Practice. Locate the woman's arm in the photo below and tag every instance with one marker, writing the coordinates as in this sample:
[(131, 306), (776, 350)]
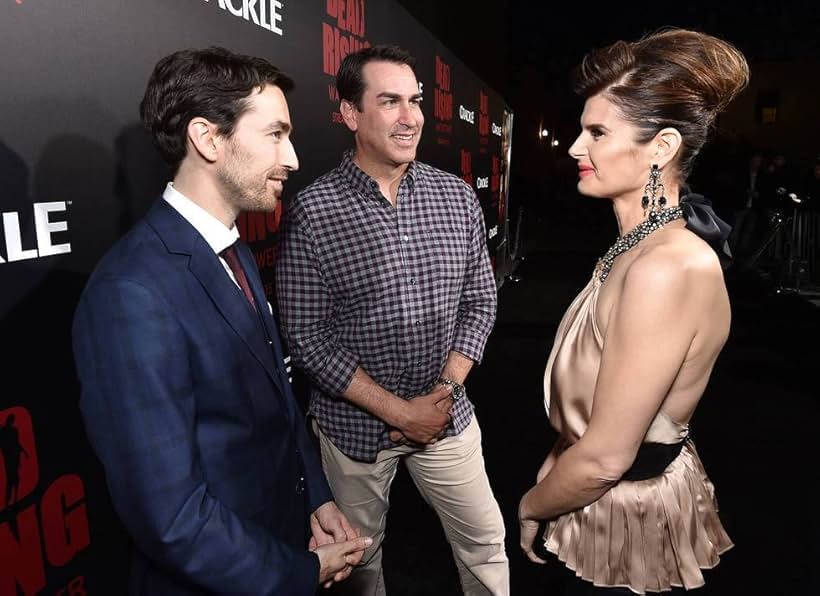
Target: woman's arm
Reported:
[(648, 335), (557, 448)]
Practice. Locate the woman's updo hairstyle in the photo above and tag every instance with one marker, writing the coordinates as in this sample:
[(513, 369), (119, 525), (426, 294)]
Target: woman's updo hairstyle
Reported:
[(672, 78)]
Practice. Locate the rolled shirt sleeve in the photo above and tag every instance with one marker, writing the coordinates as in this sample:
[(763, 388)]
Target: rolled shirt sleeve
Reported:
[(391, 288), (306, 308), (478, 304)]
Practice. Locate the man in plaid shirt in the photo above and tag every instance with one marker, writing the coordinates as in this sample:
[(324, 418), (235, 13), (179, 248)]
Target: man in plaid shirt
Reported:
[(387, 298)]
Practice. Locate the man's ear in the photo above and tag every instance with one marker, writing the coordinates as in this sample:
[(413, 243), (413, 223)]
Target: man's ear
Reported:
[(350, 115), (667, 145), (203, 136)]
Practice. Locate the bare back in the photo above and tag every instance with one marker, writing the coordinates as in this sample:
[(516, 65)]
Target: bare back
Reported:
[(708, 310)]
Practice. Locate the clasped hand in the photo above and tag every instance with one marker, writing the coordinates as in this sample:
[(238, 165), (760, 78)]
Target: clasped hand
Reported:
[(338, 545), (527, 525), (426, 417), (529, 533)]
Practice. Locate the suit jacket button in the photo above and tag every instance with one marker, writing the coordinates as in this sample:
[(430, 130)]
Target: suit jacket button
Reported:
[(300, 486)]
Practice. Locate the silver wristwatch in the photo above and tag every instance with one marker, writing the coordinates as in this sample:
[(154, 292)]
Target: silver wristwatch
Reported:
[(458, 388)]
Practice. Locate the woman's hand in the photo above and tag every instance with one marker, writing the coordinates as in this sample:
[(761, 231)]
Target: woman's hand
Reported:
[(529, 532)]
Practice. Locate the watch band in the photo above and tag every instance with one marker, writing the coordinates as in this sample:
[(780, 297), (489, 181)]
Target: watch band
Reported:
[(458, 389)]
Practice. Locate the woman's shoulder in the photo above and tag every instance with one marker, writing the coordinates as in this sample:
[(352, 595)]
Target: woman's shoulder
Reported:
[(675, 257)]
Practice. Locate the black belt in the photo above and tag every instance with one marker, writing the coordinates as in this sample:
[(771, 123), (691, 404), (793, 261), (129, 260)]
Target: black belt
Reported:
[(652, 459)]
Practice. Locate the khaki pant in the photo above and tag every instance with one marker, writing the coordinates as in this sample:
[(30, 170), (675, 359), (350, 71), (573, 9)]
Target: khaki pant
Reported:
[(450, 476)]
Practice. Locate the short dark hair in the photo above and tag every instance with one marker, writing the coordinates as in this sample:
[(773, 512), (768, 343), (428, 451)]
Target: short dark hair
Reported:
[(212, 83), (349, 79), (672, 78)]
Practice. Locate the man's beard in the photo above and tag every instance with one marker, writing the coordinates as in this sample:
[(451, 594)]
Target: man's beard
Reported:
[(247, 191)]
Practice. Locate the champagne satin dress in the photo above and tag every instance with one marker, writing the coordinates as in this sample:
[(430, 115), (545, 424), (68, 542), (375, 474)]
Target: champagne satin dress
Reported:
[(646, 535)]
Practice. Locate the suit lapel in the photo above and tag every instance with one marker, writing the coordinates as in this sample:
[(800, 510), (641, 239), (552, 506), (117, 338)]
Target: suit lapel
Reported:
[(272, 331), (180, 237), (234, 307)]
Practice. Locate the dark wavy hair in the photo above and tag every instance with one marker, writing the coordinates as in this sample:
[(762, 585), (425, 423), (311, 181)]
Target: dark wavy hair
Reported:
[(212, 83), (673, 78), (349, 79)]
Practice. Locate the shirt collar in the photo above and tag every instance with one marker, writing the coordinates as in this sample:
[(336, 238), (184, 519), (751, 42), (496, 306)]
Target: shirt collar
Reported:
[(363, 183), (210, 228)]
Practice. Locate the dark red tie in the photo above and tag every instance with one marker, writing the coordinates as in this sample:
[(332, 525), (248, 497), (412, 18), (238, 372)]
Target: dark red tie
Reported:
[(232, 258)]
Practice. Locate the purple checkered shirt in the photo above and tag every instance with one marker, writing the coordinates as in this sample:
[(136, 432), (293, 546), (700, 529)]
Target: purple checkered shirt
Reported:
[(390, 289)]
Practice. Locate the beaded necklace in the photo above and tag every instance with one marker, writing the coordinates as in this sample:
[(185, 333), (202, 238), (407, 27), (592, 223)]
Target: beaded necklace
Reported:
[(655, 221)]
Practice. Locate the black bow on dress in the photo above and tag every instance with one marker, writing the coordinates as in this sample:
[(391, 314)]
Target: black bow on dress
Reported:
[(702, 219)]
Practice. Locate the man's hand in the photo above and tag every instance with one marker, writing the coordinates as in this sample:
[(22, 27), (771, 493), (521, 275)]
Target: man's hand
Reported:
[(336, 560), (427, 418), (329, 525)]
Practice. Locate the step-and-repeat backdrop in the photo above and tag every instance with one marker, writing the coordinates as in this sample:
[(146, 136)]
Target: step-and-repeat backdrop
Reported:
[(77, 170)]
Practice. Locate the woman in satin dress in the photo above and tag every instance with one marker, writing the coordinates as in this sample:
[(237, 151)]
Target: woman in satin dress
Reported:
[(628, 504)]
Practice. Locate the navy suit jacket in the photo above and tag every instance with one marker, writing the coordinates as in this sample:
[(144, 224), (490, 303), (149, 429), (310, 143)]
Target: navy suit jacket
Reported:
[(187, 404)]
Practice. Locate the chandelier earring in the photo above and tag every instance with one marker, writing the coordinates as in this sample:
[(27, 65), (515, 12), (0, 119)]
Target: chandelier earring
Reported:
[(653, 200), (658, 216)]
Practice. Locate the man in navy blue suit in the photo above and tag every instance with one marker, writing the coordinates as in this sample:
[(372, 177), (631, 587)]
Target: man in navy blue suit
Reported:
[(184, 393)]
